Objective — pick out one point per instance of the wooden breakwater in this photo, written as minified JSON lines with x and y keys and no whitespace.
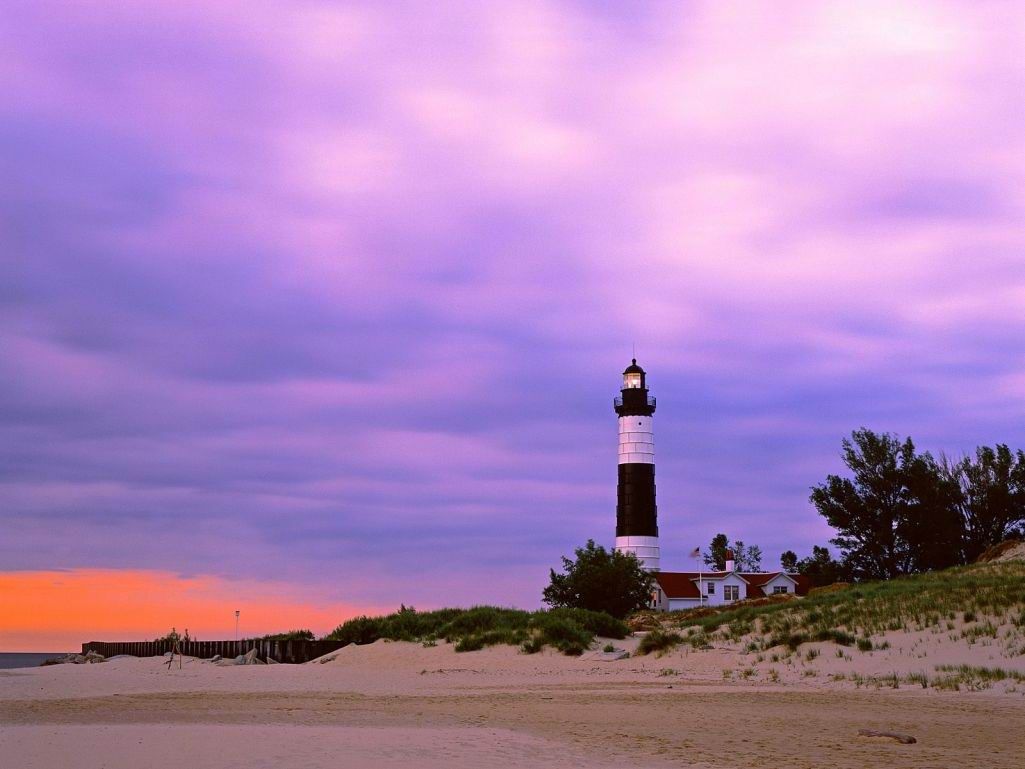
{"x":289,"y":652}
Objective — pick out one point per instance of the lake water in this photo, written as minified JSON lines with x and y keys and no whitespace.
{"x":26,"y":659}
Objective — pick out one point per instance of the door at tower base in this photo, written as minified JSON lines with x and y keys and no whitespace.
{"x":645,"y":548}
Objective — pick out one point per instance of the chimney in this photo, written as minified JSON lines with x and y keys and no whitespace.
{"x":730,"y":563}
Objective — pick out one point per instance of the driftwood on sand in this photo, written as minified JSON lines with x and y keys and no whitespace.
{"x":905,"y":739}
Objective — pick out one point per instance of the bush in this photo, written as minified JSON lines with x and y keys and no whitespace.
{"x":562,"y":633}
{"x":660,"y":641}
{"x":571,"y":631}
{"x":290,"y":635}
{"x":359,"y":630}
{"x":533,"y":645}
{"x":791,"y":640}
{"x":595,"y":622}
{"x":836,"y":636}
{"x":481,"y":619}
{"x":476,"y":641}
{"x":600,"y":580}
{"x":470,"y":643}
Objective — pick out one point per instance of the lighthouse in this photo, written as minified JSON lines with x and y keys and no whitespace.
{"x":636,"y":521}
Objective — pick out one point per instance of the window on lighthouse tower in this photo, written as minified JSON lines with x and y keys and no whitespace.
{"x":632,"y":382}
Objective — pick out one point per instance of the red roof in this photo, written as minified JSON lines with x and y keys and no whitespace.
{"x":678,"y":584}
{"x":683,"y":584}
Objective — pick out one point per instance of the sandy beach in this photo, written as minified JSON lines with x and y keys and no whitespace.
{"x":399,"y":704}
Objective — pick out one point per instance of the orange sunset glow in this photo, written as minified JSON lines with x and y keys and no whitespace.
{"x":58,"y":610}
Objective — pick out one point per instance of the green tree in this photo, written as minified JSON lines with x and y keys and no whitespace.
{"x":904,"y":512}
{"x":746,"y":558}
{"x":821,"y":568}
{"x":788,"y":560}
{"x":599,"y":580}
{"x":715,"y":557}
{"x":868,"y":509}
{"x":897,"y":514}
{"x":989,"y":497}
{"x":930,"y":527}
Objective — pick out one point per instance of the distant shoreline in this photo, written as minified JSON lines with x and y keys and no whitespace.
{"x":10,"y":660}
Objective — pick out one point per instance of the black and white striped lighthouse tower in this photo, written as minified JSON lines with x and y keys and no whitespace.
{"x":636,"y":520}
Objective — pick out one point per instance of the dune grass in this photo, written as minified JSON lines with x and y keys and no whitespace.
{"x":856,"y":614}
{"x":973,"y":678}
{"x":290,"y":635}
{"x":986,"y":602}
{"x":659,"y":642}
{"x":571,"y":631}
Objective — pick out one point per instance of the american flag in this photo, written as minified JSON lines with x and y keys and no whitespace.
{"x":695,"y":553}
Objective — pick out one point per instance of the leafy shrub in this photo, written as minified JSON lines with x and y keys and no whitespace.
{"x":359,"y":630}
{"x":698,"y":640}
{"x":836,"y":636}
{"x":660,"y":641}
{"x":562,"y":633}
{"x":475,"y":641}
{"x":790,"y":640}
{"x":290,"y":635}
{"x":470,"y":643}
{"x":533,"y":645}
{"x":600,"y":580}
{"x":595,"y":622}
{"x":568,"y":630}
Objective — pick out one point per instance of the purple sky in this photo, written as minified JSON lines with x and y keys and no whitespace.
{"x":340,"y":294}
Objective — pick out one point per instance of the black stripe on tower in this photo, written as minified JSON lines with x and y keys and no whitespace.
{"x":635,"y":503}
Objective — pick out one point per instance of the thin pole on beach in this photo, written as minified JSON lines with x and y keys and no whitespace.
{"x":696,"y":555}
{"x":701,"y":588}
{"x":236,"y":624}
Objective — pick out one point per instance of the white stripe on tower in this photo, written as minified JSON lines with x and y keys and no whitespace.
{"x":645,"y":548}
{"x":636,"y":442}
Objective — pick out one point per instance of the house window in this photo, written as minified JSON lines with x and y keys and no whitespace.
{"x":731,"y":592}
{"x":711,"y":588}
{"x":779,"y":589}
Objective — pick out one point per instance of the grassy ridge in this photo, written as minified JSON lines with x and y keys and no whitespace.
{"x":973,"y":678}
{"x":854,"y":615}
{"x":571,"y":631}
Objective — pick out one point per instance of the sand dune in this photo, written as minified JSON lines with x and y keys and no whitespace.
{"x":391,"y":704}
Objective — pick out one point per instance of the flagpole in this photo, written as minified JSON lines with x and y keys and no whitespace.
{"x":701,"y":592}
{"x":697,"y":562}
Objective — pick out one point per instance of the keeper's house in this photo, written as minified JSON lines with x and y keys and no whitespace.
{"x":675,"y":590}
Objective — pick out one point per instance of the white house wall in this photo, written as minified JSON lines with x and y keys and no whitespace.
{"x":679,"y":604}
{"x":718,"y":597}
{"x":780,"y":580}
